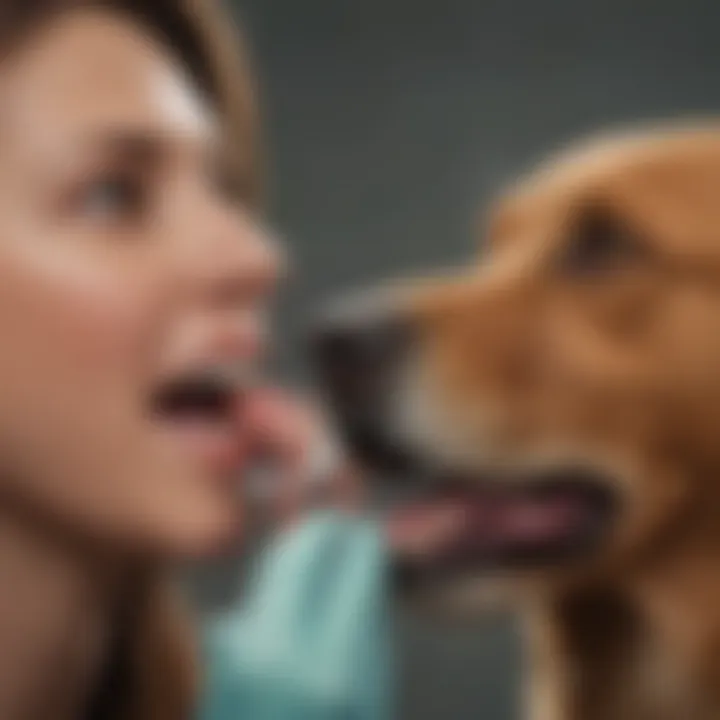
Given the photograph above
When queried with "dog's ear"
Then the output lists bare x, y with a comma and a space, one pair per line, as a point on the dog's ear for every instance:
598, 240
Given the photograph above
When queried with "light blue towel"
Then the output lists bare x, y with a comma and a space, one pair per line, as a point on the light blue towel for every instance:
311, 640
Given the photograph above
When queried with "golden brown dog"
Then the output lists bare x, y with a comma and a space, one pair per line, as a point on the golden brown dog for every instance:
561, 400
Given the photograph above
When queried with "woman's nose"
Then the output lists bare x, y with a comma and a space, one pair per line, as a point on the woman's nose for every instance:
238, 260
254, 262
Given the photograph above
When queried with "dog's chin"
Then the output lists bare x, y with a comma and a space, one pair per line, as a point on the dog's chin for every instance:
463, 540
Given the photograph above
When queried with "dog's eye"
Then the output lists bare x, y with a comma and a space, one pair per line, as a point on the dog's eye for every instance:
598, 242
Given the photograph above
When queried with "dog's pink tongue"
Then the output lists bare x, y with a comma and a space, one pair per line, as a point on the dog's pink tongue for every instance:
422, 529
534, 519
481, 523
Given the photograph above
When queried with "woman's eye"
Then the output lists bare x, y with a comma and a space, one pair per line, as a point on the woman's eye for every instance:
229, 183
112, 198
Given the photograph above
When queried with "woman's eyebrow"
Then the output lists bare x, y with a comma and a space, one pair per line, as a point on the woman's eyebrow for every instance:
145, 146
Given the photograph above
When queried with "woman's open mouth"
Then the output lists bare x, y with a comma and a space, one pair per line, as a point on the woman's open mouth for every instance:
201, 409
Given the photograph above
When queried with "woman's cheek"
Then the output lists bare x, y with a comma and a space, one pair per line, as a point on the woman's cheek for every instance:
80, 335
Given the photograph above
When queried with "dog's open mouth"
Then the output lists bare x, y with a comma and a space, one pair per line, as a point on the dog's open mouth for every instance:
522, 520
482, 520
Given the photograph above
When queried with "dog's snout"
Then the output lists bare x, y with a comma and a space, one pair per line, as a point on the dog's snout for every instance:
358, 355
358, 343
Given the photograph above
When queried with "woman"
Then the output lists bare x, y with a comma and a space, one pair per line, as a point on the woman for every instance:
134, 278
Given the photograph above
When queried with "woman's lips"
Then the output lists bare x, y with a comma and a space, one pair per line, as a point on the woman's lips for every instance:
214, 443
220, 440
270, 448
260, 428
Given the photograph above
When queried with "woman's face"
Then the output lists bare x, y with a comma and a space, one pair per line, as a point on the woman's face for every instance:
127, 276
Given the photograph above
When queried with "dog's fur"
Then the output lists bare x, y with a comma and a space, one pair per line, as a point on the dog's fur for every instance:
592, 327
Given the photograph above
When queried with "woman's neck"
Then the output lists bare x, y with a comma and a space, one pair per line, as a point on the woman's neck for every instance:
56, 613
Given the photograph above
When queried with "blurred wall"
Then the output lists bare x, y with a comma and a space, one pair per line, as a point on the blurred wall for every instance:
390, 122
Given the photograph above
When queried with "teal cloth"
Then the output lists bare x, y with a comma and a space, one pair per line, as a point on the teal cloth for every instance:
311, 640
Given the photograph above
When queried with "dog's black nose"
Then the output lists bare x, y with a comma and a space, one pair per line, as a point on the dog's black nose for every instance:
359, 355
358, 339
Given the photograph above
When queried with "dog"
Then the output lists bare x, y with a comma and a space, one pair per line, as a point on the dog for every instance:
554, 411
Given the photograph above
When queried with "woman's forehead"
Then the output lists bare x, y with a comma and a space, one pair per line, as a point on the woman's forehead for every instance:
93, 71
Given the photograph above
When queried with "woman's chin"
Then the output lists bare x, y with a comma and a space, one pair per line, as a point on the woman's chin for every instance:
191, 508
218, 534
196, 531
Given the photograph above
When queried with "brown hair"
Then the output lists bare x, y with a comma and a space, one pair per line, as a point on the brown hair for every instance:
200, 35
152, 672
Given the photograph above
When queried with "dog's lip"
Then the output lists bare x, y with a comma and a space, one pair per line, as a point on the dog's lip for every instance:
539, 516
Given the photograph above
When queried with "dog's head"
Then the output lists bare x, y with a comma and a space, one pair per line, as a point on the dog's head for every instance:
555, 407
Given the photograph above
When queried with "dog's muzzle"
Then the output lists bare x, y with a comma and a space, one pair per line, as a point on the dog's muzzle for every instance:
360, 349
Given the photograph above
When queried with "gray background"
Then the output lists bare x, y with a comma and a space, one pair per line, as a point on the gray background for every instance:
390, 122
